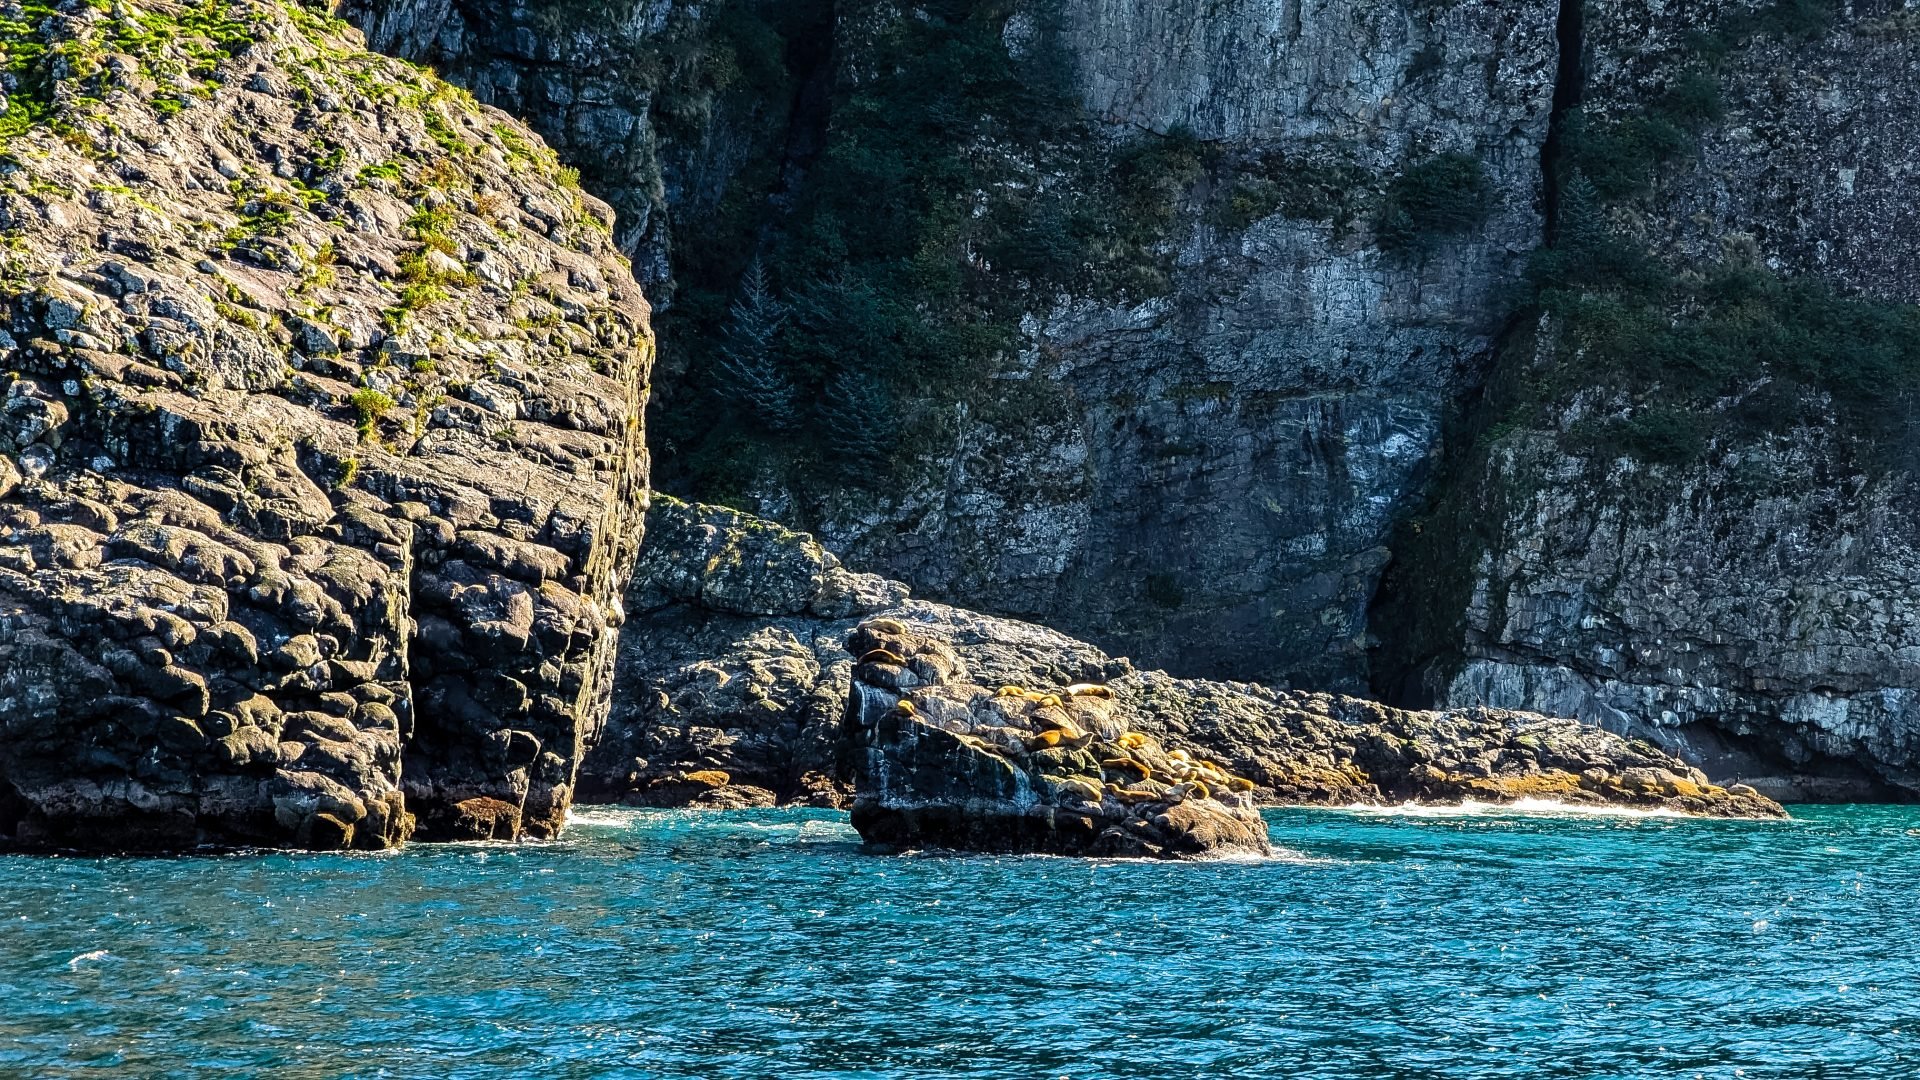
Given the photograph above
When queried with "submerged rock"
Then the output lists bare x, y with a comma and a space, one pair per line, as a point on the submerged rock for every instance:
320, 457
940, 761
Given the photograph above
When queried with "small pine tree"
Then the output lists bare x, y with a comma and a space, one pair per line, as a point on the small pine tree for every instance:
1580, 226
750, 355
858, 421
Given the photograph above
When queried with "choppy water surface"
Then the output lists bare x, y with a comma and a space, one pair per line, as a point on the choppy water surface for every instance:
768, 944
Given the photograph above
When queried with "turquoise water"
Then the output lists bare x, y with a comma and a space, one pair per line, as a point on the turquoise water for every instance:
760, 944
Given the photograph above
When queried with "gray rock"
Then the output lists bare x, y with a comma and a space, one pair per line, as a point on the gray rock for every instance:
939, 761
1755, 609
760, 698
251, 590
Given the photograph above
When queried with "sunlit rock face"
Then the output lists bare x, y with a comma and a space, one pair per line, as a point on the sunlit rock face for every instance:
321, 470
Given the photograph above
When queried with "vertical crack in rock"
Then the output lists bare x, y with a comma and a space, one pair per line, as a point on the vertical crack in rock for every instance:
1569, 89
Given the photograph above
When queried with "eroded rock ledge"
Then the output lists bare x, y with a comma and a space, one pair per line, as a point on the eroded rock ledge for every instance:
321, 468
736, 669
943, 762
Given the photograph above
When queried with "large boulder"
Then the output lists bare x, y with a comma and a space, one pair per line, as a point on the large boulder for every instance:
320, 458
941, 761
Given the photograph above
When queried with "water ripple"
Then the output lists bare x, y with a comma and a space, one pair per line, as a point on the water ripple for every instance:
1482, 944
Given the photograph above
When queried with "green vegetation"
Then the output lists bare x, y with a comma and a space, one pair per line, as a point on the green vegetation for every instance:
1696, 353
1622, 155
189, 40
1335, 192
369, 405
1431, 200
1684, 344
957, 187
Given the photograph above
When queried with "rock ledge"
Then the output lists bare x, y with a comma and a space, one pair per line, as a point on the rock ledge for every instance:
941, 762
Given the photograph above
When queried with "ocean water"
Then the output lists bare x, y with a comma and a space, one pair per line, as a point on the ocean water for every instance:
769, 944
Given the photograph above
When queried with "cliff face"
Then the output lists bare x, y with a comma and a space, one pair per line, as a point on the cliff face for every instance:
662, 104
1721, 554
1200, 464
1214, 489
1217, 333
322, 465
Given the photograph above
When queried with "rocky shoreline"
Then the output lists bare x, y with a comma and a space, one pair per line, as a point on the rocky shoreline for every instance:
739, 661
322, 487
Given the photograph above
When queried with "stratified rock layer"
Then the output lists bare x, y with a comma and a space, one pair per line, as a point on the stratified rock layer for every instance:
939, 761
321, 467
737, 661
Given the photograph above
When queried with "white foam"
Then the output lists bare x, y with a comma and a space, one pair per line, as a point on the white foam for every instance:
1519, 807
1279, 855
612, 819
87, 958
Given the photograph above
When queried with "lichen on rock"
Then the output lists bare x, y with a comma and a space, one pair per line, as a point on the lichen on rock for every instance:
939, 761
757, 691
321, 464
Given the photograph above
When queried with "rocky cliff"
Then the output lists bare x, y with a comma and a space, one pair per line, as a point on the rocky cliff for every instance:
736, 671
1173, 324
1689, 511
322, 461
1233, 265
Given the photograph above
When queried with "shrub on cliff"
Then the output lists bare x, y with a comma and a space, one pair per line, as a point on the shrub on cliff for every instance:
1431, 200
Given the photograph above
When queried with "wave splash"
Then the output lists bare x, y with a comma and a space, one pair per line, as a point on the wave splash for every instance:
1518, 807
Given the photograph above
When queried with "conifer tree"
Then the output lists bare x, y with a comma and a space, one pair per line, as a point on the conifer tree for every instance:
750, 355
859, 424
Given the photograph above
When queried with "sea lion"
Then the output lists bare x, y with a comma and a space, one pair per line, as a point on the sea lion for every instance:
1049, 701
887, 626
1049, 738
1239, 783
1087, 689
1127, 765
903, 707
1133, 740
882, 656
1011, 691
1091, 788
1058, 723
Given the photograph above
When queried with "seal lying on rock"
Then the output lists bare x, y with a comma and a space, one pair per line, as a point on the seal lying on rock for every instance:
940, 761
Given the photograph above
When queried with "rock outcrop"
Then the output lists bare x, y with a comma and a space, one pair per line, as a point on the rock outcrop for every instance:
733, 673
1745, 593
738, 660
322, 464
938, 761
